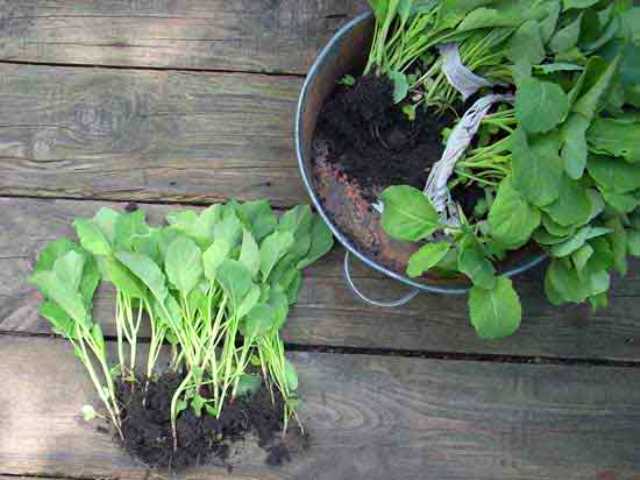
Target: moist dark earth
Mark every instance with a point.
(146, 426)
(373, 142)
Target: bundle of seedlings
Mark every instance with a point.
(536, 108)
(212, 290)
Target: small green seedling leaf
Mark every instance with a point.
(427, 257)
(290, 375)
(540, 105)
(88, 413)
(272, 249)
(347, 81)
(408, 214)
(250, 253)
(183, 264)
(496, 312)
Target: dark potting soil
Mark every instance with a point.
(373, 142)
(146, 426)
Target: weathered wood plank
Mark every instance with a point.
(370, 417)
(132, 135)
(257, 35)
(328, 314)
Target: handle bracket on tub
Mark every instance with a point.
(390, 304)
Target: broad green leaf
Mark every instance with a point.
(567, 37)
(537, 167)
(540, 105)
(633, 242)
(573, 205)
(602, 258)
(298, 221)
(50, 253)
(512, 219)
(280, 303)
(249, 301)
(229, 228)
(261, 217)
(578, 240)
(235, 279)
(496, 312)
(506, 14)
(400, 86)
(574, 150)
(543, 237)
(70, 300)
(610, 136)
(91, 237)
(127, 227)
(563, 284)
(106, 219)
(621, 202)
(147, 271)
(526, 44)
(380, 9)
(321, 242)
(249, 253)
(61, 322)
(618, 242)
(90, 278)
(581, 256)
(183, 264)
(427, 257)
(213, 257)
(613, 174)
(248, 385)
(290, 375)
(98, 337)
(69, 268)
(114, 272)
(590, 102)
(408, 214)
(199, 227)
(548, 68)
(452, 12)
(259, 321)
(579, 4)
(272, 249)
(475, 265)
(549, 23)
(555, 228)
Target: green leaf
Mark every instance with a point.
(537, 167)
(229, 228)
(88, 413)
(619, 138)
(512, 219)
(91, 237)
(618, 242)
(452, 12)
(248, 385)
(633, 242)
(61, 322)
(540, 105)
(555, 228)
(249, 301)
(121, 277)
(69, 268)
(474, 264)
(98, 337)
(261, 218)
(249, 253)
(496, 312)
(567, 37)
(127, 227)
(380, 9)
(400, 86)
(563, 284)
(574, 150)
(548, 68)
(272, 249)
(573, 205)
(526, 44)
(581, 256)
(213, 257)
(280, 303)
(147, 272)
(235, 279)
(290, 375)
(259, 321)
(408, 214)
(578, 240)
(579, 4)
(321, 242)
(183, 264)
(347, 81)
(106, 219)
(613, 174)
(549, 23)
(621, 202)
(298, 221)
(591, 101)
(197, 227)
(69, 300)
(507, 14)
(426, 257)
(50, 253)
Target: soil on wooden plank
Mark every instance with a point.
(146, 426)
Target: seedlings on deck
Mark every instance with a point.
(216, 286)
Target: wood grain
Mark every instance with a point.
(328, 314)
(369, 417)
(147, 135)
(256, 35)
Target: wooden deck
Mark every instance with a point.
(173, 102)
